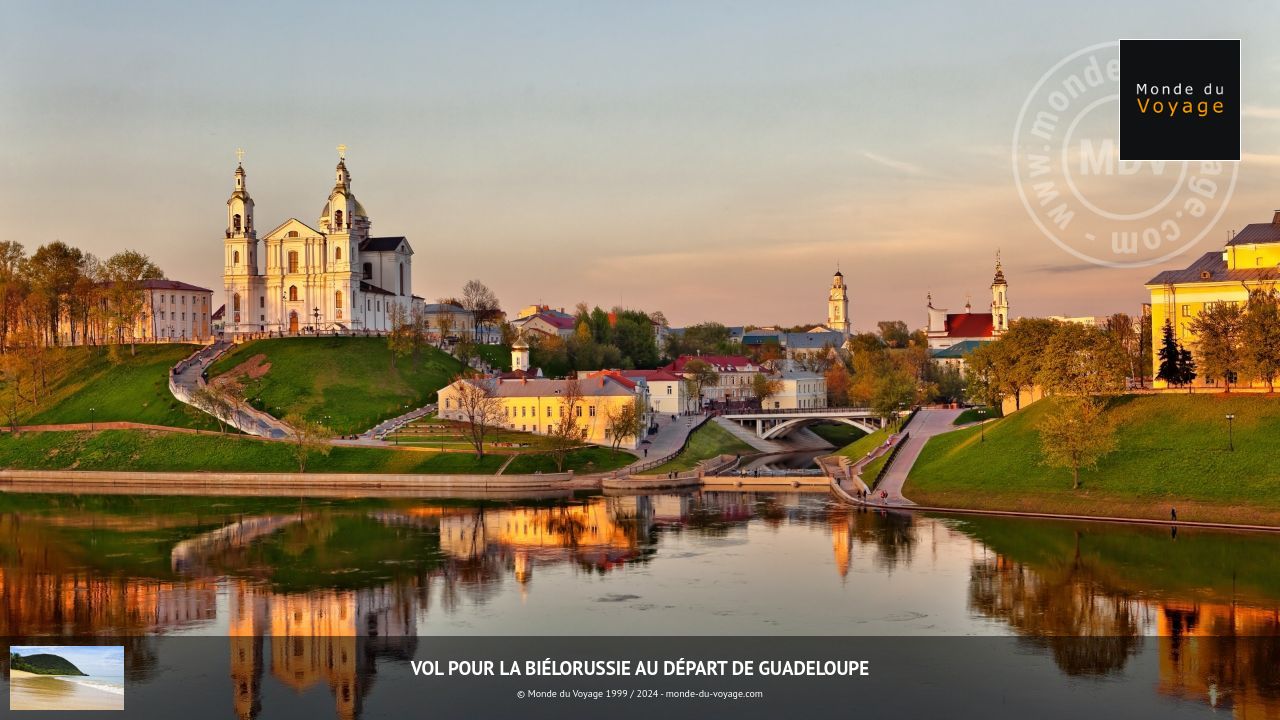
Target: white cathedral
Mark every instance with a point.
(336, 278)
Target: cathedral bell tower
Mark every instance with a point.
(999, 301)
(241, 242)
(838, 305)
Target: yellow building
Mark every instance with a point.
(1248, 261)
(537, 404)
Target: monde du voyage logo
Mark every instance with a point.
(1123, 153)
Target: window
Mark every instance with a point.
(337, 219)
(548, 411)
(401, 278)
(1186, 311)
(293, 261)
(262, 301)
(235, 258)
(367, 271)
(235, 222)
(579, 410)
(235, 302)
(293, 293)
(337, 299)
(591, 411)
(337, 253)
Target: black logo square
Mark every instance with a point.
(1180, 100)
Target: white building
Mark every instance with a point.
(333, 277)
(800, 389)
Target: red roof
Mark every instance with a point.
(719, 362)
(612, 375)
(969, 325)
(658, 375)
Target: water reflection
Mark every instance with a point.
(316, 593)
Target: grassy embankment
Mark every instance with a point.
(974, 414)
(1171, 451)
(146, 451)
(706, 442)
(863, 445)
(87, 385)
(838, 434)
(346, 384)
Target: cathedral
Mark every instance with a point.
(964, 330)
(334, 277)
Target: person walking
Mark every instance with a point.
(1173, 514)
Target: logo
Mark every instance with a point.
(1083, 196)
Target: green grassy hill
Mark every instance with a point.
(706, 442)
(347, 384)
(148, 451)
(1171, 451)
(44, 664)
(88, 386)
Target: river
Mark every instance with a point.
(702, 563)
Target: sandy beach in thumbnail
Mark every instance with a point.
(28, 691)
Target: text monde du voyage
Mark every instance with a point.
(641, 668)
(1180, 99)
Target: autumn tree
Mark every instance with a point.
(1081, 360)
(123, 275)
(698, 376)
(837, 385)
(210, 401)
(1076, 435)
(764, 387)
(1219, 347)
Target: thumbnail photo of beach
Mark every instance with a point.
(66, 677)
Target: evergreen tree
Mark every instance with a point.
(1170, 357)
(1186, 371)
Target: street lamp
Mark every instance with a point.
(91, 419)
(982, 426)
(1231, 445)
(315, 326)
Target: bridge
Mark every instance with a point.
(772, 424)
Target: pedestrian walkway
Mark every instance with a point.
(189, 375)
(669, 439)
(926, 423)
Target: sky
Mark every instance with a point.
(105, 660)
(712, 160)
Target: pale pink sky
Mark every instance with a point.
(711, 160)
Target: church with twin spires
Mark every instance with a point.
(334, 277)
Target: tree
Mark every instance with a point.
(837, 385)
(309, 438)
(481, 302)
(1120, 327)
(764, 387)
(1219, 349)
(126, 297)
(981, 383)
(1260, 336)
(214, 403)
(565, 433)
(479, 407)
(894, 333)
(894, 391)
(1186, 367)
(13, 288)
(53, 270)
(1075, 435)
(627, 420)
(698, 375)
(1081, 360)
(1170, 356)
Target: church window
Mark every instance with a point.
(235, 222)
(262, 301)
(235, 302)
(293, 261)
(337, 299)
(235, 258)
(368, 304)
(337, 253)
(337, 219)
(367, 269)
(293, 293)
(292, 233)
(401, 278)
